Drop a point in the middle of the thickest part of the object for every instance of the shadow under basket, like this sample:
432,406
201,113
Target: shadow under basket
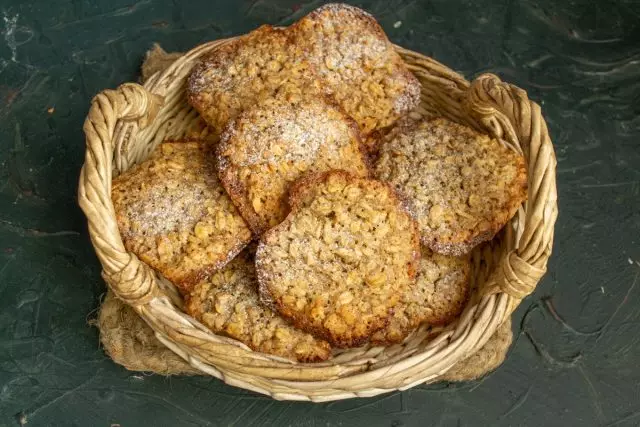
123,127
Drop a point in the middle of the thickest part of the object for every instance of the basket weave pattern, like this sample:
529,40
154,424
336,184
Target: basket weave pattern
124,125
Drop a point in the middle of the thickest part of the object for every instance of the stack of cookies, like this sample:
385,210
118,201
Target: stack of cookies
327,215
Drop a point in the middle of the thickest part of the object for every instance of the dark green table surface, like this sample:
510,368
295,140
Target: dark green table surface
576,357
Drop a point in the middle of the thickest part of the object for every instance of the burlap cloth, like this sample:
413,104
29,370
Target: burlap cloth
131,343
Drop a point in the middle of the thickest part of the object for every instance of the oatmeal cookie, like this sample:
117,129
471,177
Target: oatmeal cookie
272,144
437,297
339,262
228,303
174,214
243,72
359,65
462,186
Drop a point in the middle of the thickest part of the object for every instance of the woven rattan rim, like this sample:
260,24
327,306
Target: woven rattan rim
125,124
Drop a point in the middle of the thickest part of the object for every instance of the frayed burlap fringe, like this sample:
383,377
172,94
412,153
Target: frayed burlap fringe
130,342
156,60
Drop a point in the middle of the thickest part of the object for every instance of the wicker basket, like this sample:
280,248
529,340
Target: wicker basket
124,125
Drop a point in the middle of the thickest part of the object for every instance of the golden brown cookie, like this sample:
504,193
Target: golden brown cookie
228,303
174,214
339,262
437,297
272,144
245,71
359,65
462,186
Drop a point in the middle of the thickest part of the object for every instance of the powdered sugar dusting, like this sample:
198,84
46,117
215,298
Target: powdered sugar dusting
337,8
408,99
201,78
162,203
293,133
169,209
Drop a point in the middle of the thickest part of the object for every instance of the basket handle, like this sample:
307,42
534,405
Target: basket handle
133,107
507,111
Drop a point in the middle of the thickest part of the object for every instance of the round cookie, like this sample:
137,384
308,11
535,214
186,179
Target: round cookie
339,262
437,297
245,71
270,145
360,67
228,303
462,186
174,214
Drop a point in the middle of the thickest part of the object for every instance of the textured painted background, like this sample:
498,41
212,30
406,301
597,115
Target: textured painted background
576,359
